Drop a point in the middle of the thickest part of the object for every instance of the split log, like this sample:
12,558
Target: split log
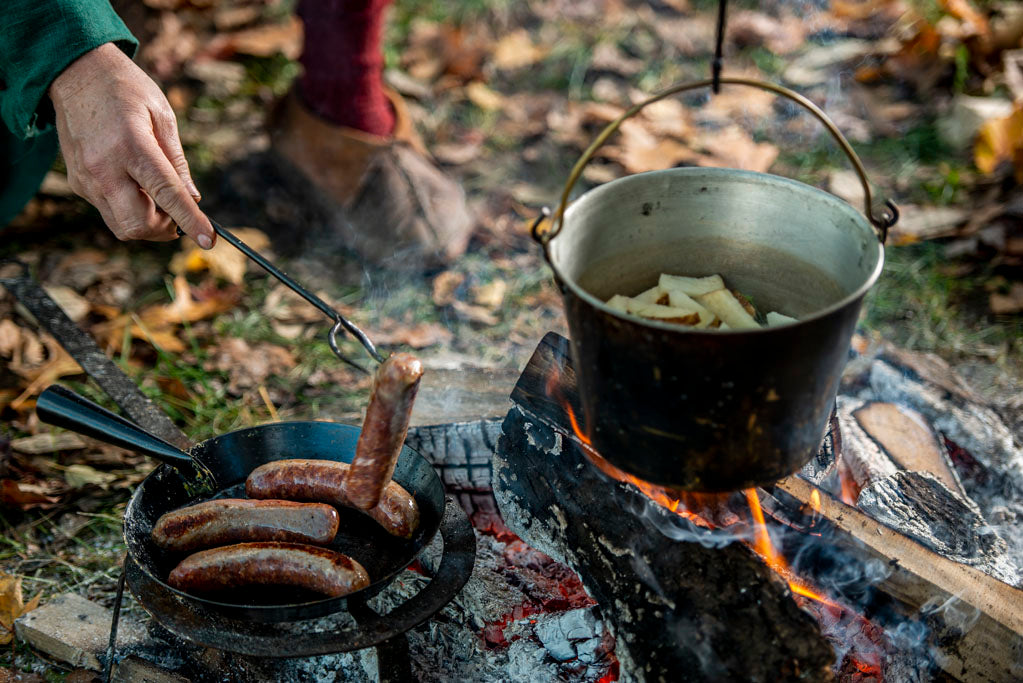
683,602
988,646
906,438
920,506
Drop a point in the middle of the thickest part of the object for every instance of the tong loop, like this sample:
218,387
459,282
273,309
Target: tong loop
340,322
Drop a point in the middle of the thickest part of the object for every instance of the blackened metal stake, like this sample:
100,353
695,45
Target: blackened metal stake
719,49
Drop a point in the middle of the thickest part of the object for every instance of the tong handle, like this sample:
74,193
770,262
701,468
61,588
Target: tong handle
340,322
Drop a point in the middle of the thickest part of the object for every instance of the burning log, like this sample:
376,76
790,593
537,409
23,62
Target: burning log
971,623
677,595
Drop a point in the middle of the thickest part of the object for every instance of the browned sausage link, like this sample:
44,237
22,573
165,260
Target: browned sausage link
272,564
325,481
383,431
234,520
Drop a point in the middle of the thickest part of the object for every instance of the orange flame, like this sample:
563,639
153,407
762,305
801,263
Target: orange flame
764,547
683,502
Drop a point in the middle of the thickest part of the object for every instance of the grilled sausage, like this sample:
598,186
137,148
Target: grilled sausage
383,431
325,481
234,520
274,564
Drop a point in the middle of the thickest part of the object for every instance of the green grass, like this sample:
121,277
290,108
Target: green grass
919,305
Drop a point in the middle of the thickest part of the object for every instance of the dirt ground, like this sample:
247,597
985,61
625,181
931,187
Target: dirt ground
506,96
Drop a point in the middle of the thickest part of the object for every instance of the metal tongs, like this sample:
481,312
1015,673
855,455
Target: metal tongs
340,322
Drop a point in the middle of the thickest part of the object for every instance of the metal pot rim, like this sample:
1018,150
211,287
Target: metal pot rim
831,199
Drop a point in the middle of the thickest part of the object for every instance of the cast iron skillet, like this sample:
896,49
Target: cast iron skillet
227,460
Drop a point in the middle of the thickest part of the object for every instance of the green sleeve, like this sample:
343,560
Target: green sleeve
38,40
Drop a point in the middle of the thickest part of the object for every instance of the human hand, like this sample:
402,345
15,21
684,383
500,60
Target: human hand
119,137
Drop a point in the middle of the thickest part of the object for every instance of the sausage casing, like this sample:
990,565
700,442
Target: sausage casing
271,564
236,520
395,385
326,481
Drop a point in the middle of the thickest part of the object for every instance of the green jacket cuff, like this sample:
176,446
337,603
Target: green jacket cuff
40,38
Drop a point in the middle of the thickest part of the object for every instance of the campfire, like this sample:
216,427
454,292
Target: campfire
888,611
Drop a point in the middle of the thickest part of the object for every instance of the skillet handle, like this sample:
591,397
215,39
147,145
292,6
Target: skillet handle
62,407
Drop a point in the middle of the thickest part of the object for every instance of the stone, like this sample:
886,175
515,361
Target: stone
74,630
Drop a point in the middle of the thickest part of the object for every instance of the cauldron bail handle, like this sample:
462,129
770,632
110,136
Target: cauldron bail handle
882,220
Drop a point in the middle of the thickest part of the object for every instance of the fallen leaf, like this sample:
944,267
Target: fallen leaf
456,153
74,304
248,366
1001,140
608,57
12,605
418,336
186,307
284,305
1003,304
638,150
78,476
516,50
10,338
14,494
476,314
223,260
490,295
483,97
445,287
735,148
48,442
261,41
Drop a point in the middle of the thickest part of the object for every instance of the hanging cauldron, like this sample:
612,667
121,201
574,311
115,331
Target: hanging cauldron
699,409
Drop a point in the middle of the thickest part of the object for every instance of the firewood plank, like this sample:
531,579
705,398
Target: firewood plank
992,648
907,439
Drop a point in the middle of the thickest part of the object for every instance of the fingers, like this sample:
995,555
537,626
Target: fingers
155,174
135,215
165,126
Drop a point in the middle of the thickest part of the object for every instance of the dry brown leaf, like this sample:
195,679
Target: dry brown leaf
445,287
248,366
1004,304
456,153
476,314
418,336
638,150
74,304
78,476
756,29
261,41
608,57
12,605
516,50
173,44
223,260
48,442
734,148
483,97
285,306
490,295
15,494
1001,140
186,307
10,339
974,23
